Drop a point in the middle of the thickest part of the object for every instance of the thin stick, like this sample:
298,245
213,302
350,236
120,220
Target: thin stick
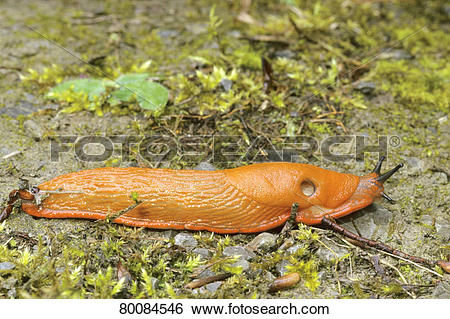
375,244
335,264
414,263
202,268
11,154
388,253
288,226
291,221
113,216
204,281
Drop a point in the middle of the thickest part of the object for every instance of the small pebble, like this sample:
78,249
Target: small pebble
206,274
395,55
202,252
244,264
293,249
263,240
6,265
212,287
415,165
33,129
282,267
443,119
365,87
226,84
205,166
238,251
186,241
442,290
168,33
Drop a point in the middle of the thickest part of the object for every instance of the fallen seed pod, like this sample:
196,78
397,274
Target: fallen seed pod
284,282
445,265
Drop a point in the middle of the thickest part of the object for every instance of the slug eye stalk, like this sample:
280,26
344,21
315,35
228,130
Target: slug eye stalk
383,177
377,169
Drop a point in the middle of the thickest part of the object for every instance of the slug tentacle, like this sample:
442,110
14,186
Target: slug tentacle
385,196
377,169
385,176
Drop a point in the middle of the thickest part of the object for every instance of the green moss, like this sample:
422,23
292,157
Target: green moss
421,87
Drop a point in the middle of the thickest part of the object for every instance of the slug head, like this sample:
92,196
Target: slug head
317,191
368,189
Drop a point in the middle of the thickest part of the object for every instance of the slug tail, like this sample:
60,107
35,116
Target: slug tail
171,199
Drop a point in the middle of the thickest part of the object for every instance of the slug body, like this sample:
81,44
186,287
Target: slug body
246,199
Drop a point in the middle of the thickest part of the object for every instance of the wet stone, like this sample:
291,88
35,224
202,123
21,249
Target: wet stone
414,165
205,166
197,28
226,84
33,129
238,251
235,33
59,270
212,287
395,55
268,276
22,108
168,33
285,54
365,224
168,233
442,290
6,265
328,255
31,48
244,264
5,151
12,293
263,240
154,281
293,249
282,267
206,273
372,222
202,252
427,220
365,87
439,178
443,119
186,241
382,215
447,10
443,229
381,100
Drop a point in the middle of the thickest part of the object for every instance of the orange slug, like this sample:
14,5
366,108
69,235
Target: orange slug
246,199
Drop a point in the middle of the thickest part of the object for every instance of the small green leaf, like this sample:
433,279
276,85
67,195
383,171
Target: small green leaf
91,87
150,95
132,78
